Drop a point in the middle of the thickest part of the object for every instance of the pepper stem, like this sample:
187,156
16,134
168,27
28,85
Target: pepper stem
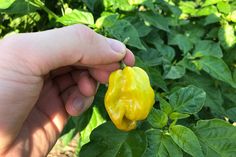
122,64
126,40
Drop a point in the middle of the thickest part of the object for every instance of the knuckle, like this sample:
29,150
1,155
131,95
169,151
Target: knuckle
83,32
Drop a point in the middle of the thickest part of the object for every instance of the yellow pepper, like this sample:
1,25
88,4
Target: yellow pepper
129,97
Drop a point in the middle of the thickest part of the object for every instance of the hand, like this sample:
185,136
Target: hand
47,76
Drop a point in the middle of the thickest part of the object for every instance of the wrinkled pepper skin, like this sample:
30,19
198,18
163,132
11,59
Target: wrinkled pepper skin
129,97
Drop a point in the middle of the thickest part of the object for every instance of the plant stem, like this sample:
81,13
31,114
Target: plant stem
41,5
122,64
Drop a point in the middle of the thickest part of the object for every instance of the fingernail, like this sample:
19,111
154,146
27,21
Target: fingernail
116,45
88,102
82,104
78,105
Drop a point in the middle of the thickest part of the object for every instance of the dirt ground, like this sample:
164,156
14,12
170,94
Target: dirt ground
60,150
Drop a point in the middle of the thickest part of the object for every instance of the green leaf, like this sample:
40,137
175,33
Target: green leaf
99,101
117,4
224,7
164,105
24,21
149,4
232,16
229,94
136,2
212,34
76,16
188,99
176,11
188,64
186,139
175,72
107,141
142,28
4,4
212,18
182,41
83,120
157,79
19,7
95,121
188,7
217,68
93,5
217,137
106,20
211,2
153,58
75,125
214,99
155,20
226,36
157,118
177,115
139,63
234,74
231,113
194,32
122,29
168,53
208,10
67,138
207,48
154,38
69,132
161,145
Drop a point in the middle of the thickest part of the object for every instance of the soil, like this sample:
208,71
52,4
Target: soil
60,150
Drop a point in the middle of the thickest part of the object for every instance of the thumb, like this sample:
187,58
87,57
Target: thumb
77,44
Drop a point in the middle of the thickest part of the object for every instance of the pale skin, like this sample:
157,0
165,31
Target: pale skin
47,76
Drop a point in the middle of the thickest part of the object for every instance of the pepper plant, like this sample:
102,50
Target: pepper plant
188,50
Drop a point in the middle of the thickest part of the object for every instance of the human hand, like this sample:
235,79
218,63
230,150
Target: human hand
47,76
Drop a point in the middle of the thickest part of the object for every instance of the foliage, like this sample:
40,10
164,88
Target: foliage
188,50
